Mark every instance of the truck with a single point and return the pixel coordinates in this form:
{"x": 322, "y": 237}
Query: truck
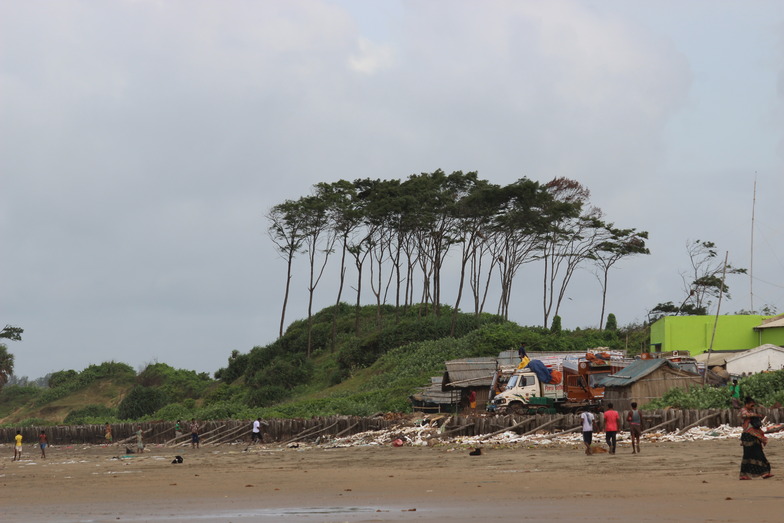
{"x": 521, "y": 391}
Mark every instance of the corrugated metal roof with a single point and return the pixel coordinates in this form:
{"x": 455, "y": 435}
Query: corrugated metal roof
{"x": 776, "y": 321}
{"x": 433, "y": 393}
{"x": 755, "y": 350}
{"x": 637, "y": 370}
{"x": 716, "y": 358}
{"x": 469, "y": 372}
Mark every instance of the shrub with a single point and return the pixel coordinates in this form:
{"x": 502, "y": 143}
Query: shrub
{"x": 266, "y": 395}
{"x": 107, "y": 369}
{"x": 18, "y": 393}
{"x": 224, "y": 410}
{"x": 236, "y": 368}
{"x": 89, "y": 414}
{"x": 555, "y": 328}
{"x": 223, "y": 392}
{"x": 140, "y": 402}
{"x": 763, "y": 387}
{"x": 175, "y": 383}
{"x": 34, "y": 422}
{"x": 59, "y": 378}
{"x": 173, "y": 412}
{"x": 705, "y": 397}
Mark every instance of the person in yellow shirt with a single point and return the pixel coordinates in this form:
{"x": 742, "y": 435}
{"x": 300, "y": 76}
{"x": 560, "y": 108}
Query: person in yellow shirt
{"x": 18, "y": 446}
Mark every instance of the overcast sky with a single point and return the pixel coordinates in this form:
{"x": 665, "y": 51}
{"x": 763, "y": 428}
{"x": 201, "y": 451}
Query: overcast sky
{"x": 142, "y": 143}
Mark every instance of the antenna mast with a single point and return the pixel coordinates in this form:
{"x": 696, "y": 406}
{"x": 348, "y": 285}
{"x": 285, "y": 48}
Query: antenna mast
{"x": 751, "y": 260}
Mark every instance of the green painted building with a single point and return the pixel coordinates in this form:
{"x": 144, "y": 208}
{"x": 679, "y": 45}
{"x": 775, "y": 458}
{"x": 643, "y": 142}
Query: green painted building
{"x": 693, "y": 333}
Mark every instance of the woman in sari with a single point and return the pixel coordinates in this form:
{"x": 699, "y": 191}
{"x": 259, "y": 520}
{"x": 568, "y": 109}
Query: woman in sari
{"x": 754, "y": 463}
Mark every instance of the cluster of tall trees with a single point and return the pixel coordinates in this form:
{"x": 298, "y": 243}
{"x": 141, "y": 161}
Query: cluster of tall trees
{"x": 398, "y": 234}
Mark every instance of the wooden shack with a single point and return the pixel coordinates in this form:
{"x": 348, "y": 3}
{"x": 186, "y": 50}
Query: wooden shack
{"x": 467, "y": 374}
{"x": 434, "y": 398}
{"x": 645, "y": 380}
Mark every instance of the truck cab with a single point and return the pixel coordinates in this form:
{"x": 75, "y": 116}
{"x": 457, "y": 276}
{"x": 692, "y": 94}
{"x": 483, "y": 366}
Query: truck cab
{"x": 525, "y": 393}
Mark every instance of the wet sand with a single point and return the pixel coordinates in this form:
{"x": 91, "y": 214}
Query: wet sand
{"x": 684, "y": 481}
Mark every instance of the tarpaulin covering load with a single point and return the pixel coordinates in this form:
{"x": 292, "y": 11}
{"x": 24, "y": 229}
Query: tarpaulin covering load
{"x": 555, "y": 377}
{"x": 541, "y": 370}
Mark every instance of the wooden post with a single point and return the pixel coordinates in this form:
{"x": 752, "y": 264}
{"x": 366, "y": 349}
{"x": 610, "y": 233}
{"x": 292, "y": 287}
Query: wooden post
{"x": 311, "y": 433}
{"x": 506, "y": 429}
{"x": 540, "y": 427}
{"x": 684, "y": 429}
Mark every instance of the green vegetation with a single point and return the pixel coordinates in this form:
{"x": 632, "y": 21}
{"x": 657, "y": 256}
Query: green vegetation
{"x": 767, "y": 389}
{"x": 705, "y": 397}
{"x": 354, "y": 369}
{"x": 91, "y": 414}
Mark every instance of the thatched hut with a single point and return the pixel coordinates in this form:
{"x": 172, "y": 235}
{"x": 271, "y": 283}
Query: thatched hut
{"x": 646, "y": 380}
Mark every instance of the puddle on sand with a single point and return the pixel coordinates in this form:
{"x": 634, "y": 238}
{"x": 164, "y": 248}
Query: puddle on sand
{"x": 281, "y": 513}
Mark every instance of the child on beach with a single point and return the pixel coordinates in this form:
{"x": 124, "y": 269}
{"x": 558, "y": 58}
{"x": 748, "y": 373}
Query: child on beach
{"x": 42, "y": 442}
{"x": 18, "y": 446}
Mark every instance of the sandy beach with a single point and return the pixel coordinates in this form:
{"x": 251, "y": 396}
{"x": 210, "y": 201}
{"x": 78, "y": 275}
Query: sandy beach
{"x": 668, "y": 481}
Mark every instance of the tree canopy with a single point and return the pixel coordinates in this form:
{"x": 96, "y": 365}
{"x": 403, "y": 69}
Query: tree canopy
{"x": 400, "y": 235}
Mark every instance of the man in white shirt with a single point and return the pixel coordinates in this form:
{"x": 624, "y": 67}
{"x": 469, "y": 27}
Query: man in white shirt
{"x": 255, "y": 435}
{"x": 587, "y": 418}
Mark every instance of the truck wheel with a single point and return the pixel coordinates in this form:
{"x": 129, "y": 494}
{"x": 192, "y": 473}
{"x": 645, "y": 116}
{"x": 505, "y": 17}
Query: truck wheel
{"x": 517, "y": 408}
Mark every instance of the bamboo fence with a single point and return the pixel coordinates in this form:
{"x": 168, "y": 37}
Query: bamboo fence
{"x": 318, "y": 428}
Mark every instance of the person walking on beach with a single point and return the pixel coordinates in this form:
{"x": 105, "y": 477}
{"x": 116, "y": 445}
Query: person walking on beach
{"x": 754, "y": 463}
{"x": 195, "y": 433}
{"x": 255, "y": 433}
{"x": 587, "y": 418}
{"x": 635, "y": 427}
{"x": 18, "y": 446}
{"x": 611, "y": 419}
{"x": 139, "y": 440}
{"x": 177, "y": 429}
{"x": 108, "y": 433}
{"x": 43, "y": 443}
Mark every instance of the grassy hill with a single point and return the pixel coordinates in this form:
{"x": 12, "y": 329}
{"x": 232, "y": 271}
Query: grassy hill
{"x": 350, "y": 361}
{"x": 105, "y": 392}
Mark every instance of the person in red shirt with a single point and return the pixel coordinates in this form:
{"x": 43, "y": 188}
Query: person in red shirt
{"x": 611, "y": 418}
{"x": 472, "y": 401}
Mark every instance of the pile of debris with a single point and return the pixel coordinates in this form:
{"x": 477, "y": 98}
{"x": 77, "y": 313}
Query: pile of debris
{"x": 431, "y": 432}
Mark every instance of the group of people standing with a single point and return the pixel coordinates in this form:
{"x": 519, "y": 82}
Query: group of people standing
{"x": 612, "y": 426}
{"x": 43, "y": 442}
{"x": 195, "y": 427}
{"x": 754, "y": 464}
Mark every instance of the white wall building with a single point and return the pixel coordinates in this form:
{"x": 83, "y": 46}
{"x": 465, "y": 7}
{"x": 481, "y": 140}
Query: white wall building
{"x": 759, "y": 359}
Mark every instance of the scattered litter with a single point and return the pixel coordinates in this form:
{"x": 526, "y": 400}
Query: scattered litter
{"x": 429, "y": 433}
